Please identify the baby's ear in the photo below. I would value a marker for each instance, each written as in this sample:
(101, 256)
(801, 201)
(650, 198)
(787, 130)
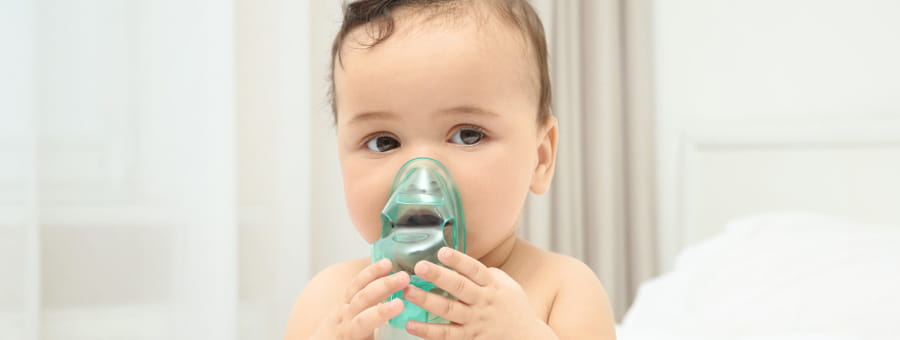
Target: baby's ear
(546, 156)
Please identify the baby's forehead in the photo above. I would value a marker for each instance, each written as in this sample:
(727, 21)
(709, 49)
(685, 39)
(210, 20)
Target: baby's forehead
(485, 26)
(491, 45)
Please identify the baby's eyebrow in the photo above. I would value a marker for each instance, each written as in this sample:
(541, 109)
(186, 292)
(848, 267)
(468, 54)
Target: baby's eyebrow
(373, 115)
(469, 109)
(463, 110)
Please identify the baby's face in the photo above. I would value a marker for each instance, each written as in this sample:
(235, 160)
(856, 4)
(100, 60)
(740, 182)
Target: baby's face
(462, 94)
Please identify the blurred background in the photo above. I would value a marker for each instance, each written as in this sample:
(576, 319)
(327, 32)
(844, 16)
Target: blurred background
(168, 168)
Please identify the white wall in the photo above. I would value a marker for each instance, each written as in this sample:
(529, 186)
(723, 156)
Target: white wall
(761, 93)
(274, 153)
(333, 236)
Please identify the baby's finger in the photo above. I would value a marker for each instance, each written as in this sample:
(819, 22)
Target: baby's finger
(435, 331)
(447, 308)
(376, 291)
(466, 265)
(368, 274)
(450, 281)
(364, 324)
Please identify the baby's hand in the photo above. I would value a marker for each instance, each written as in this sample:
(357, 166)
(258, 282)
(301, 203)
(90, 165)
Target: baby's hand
(361, 313)
(491, 304)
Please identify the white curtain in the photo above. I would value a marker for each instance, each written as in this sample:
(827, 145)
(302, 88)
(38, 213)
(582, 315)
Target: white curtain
(19, 232)
(153, 182)
(601, 206)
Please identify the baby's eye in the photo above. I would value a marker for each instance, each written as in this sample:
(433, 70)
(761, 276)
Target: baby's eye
(468, 135)
(382, 143)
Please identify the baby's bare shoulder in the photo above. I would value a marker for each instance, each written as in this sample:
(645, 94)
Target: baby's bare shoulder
(548, 266)
(323, 292)
(580, 306)
(565, 264)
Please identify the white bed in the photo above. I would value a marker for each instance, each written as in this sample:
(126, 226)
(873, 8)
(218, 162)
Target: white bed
(775, 231)
(777, 276)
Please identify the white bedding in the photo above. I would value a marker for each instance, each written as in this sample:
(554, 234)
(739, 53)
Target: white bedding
(774, 277)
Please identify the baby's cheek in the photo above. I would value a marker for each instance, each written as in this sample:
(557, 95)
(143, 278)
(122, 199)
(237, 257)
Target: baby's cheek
(364, 202)
(492, 205)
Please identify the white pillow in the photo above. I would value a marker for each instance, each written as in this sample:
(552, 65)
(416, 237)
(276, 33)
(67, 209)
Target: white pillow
(775, 275)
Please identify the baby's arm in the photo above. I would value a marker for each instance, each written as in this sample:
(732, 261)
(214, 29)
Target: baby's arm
(581, 309)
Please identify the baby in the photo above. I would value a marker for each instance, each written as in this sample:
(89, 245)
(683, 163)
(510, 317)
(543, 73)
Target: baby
(464, 82)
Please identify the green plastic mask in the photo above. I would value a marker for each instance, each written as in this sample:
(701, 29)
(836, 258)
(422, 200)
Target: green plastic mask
(422, 214)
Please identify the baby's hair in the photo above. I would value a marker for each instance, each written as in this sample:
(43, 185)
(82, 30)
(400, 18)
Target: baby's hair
(377, 13)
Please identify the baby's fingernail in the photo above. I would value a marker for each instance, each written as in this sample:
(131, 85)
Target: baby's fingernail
(411, 325)
(422, 267)
(384, 263)
(411, 292)
(391, 306)
(445, 253)
(398, 277)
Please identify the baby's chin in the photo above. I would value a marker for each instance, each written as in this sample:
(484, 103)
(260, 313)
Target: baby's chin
(479, 250)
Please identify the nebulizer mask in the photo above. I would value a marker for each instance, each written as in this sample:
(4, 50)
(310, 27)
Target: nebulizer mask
(422, 214)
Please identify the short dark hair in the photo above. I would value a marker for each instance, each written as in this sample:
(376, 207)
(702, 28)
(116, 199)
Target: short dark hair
(378, 13)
